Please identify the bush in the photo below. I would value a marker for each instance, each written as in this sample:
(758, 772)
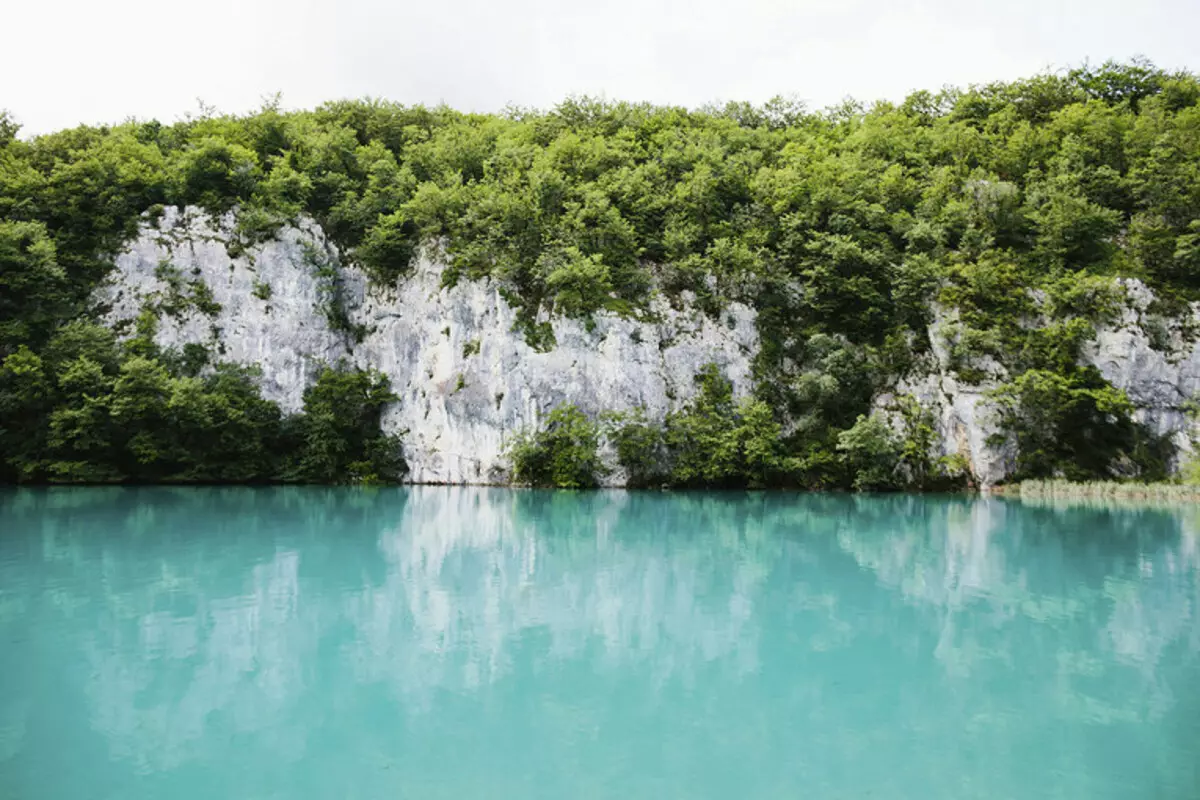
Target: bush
(714, 442)
(562, 453)
(870, 451)
(640, 448)
(339, 437)
(388, 248)
(1075, 426)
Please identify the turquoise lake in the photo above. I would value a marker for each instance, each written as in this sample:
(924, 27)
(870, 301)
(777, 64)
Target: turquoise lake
(301, 643)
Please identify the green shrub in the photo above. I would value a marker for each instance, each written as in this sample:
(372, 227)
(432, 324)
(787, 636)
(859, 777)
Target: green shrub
(338, 435)
(715, 442)
(562, 453)
(870, 451)
(640, 448)
(1075, 426)
(878, 457)
(920, 467)
(388, 248)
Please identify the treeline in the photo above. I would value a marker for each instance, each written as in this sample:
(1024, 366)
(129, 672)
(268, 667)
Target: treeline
(90, 410)
(715, 442)
(1013, 205)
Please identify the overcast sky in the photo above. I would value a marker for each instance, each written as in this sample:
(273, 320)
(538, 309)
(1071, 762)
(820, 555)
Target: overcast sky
(68, 61)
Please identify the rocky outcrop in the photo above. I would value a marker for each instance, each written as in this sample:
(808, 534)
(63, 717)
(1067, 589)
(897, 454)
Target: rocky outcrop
(270, 300)
(467, 380)
(963, 416)
(1160, 373)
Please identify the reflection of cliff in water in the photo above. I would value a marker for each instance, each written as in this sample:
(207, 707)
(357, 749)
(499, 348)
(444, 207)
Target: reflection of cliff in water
(473, 573)
(225, 608)
(1068, 595)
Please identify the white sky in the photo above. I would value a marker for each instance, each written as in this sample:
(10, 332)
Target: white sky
(63, 62)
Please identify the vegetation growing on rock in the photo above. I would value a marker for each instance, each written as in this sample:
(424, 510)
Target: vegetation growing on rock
(91, 410)
(561, 453)
(1013, 206)
(715, 442)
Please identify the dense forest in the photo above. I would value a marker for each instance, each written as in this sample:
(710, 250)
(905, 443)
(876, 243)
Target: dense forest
(1015, 205)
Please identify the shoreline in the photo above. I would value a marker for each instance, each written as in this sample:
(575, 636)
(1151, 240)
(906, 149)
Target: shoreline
(1028, 489)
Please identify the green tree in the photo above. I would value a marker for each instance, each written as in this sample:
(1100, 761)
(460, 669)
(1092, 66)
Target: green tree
(562, 453)
(1076, 426)
(26, 397)
(716, 442)
(81, 445)
(640, 448)
(871, 452)
(33, 288)
(216, 174)
(339, 433)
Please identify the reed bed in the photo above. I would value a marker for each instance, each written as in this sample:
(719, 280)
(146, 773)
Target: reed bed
(1104, 492)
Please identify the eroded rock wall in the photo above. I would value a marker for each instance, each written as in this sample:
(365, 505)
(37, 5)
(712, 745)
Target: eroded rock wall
(467, 380)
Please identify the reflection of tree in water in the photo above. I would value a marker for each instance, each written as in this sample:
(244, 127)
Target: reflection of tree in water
(193, 606)
(240, 656)
(1086, 601)
(272, 612)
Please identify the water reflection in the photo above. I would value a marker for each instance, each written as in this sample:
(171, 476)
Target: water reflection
(176, 616)
(472, 573)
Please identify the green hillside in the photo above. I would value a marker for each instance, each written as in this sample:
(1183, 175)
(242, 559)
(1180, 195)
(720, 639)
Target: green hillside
(1015, 204)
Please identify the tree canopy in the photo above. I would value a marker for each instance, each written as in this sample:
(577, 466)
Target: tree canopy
(1014, 204)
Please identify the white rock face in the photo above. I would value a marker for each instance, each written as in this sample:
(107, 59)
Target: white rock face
(286, 334)
(457, 406)
(465, 379)
(1158, 381)
(964, 421)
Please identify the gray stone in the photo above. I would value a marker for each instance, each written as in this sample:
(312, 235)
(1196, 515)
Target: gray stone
(467, 381)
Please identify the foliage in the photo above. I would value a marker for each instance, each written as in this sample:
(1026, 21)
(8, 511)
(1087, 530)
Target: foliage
(1014, 205)
(32, 285)
(338, 434)
(324, 266)
(182, 295)
(871, 452)
(562, 453)
(88, 410)
(879, 456)
(1075, 426)
(918, 464)
(715, 442)
(639, 446)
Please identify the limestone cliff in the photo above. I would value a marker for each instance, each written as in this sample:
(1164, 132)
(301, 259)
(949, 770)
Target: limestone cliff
(467, 380)
(1159, 376)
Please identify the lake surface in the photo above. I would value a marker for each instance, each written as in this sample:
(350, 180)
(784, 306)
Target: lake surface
(301, 643)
